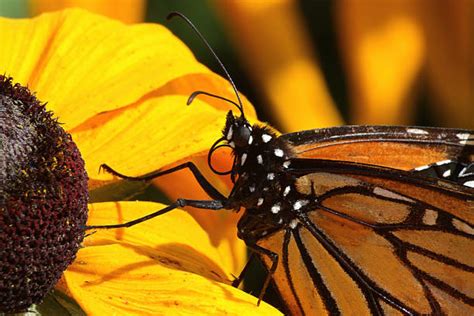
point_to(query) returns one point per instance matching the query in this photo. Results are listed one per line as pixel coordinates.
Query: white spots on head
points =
(286, 191)
(422, 168)
(231, 144)
(430, 217)
(391, 195)
(469, 183)
(447, 173)
(250, 140)
(243, 158)
(271, 176)
(299, 204)
(276, 208)
(252, 188)
(464, 227)
(260, 159)
(417, 131)
(266, 138)
(260, 201)
(294, 223)
(279, 153)
(286, 164)
(230, 133)
(443, 162)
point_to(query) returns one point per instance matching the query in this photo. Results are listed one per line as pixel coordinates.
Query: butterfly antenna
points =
(182, 16)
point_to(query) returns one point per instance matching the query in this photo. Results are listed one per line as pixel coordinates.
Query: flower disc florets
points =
(43, 199)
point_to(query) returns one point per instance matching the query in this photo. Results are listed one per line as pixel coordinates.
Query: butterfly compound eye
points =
(241, 136)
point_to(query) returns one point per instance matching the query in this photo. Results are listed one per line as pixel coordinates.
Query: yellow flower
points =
(120, 91)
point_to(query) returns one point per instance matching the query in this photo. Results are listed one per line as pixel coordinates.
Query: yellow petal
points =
(24, 43)
(87, 64)
(156, 133)
(277, 53)
(164, 263)
(128, 11)
(384, 50)
(449, 30)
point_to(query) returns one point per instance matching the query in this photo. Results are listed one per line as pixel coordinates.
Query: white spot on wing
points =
(266, 138)
(417, 131)
(286, 164)
(252, 188)
(429, 218)
(469, 183)
(286, 191)
(260, 159)
(422, 168)
(260, 201)
(443, 162)
(270, 176)
(465, 138)
(447, 173)
(391, 195)
(464, 227)
(465, 173)
(231, 144)
(279, 152)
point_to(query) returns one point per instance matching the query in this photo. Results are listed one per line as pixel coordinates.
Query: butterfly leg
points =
(209, 205)
(242, 274)
(206, 186)
(273, 257)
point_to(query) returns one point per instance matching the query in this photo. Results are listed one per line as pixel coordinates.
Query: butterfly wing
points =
(397, 147)
(377, 241)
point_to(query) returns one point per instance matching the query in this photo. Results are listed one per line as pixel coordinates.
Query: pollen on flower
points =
(43, 194)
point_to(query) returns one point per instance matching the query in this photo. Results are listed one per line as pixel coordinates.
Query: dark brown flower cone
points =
(43, 199)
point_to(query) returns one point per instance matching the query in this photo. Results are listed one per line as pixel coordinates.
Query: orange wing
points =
(377, 241)
(397, 147)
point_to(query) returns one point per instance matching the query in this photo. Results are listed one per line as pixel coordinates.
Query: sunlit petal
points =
(92, 64)
(160, 264)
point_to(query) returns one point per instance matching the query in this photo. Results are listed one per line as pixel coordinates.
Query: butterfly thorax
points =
(263, 186)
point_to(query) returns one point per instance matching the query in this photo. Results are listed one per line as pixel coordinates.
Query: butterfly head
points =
(237, 131)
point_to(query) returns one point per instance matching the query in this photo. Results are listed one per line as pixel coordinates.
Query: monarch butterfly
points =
(349, 220)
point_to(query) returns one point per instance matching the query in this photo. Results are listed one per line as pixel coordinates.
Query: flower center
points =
(43, 198)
